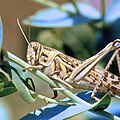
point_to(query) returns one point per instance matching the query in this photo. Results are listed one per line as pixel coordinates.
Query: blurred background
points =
(80, 41)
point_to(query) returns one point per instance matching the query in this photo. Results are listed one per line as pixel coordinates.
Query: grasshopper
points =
(73, 73)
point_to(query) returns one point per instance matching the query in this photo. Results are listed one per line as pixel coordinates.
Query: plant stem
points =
(53, 5)
(51, 100)
(103, 11)
(38, 73)
(76, 7)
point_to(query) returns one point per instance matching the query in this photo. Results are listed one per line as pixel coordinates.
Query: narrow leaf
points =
(103, 104)
(17, 77)
(55, 111)
(3, 77)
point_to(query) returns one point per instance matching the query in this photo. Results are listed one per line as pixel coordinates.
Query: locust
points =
(73, 73)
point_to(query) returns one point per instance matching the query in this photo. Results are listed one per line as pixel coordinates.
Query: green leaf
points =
(99, 106)
(103, 104)
(7, 88)
(17, 77)
(3, 77)
(54, 111)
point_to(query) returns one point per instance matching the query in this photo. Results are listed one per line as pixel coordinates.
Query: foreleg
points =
(32, 67)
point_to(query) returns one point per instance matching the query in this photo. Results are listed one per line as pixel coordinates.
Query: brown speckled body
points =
(72, 72)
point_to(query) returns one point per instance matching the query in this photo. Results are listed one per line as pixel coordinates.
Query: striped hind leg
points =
(105, 73)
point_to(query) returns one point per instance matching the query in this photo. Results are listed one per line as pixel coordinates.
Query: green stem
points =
(103, 10)
(51, 100)
(20, 62)
(76, 7)
(53, 5)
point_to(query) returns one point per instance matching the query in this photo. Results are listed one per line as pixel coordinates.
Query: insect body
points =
(74, 73)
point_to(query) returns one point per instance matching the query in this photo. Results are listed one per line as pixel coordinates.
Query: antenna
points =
(29, 28)
(22, 31)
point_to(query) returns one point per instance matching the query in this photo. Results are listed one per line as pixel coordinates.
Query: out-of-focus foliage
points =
(79, 41)
(52, 18)
(50, 38)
